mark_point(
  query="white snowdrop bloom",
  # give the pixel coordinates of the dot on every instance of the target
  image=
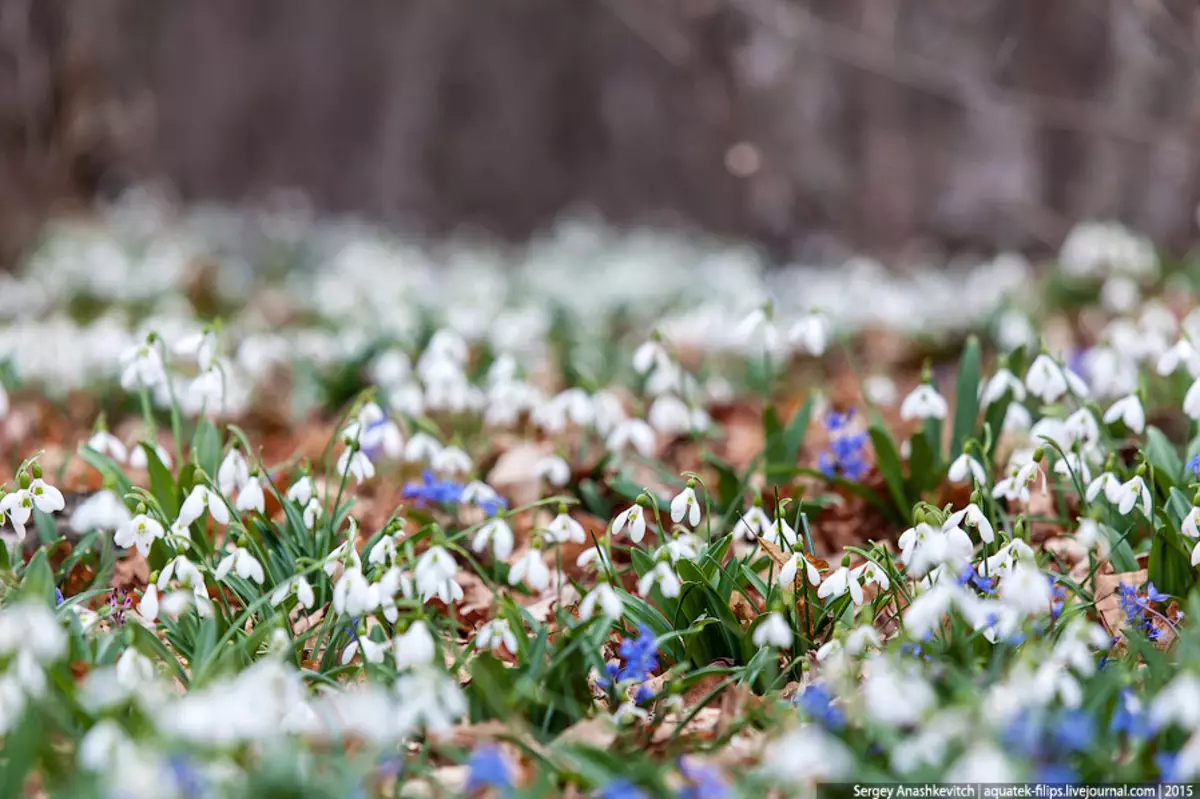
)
(390, 368)
(373, 651)
(251, 497)
(787, 572)
(46, 497)
(202, 499)
(563, 529)
(807, 755)
(1016, 418)
(664, 576)
(930, 547)
(12, 702)
(757, 332)
(1049, 429)
(923, 403)
(313, 511)
(106, 443)
(839, 582)
(140, 532)
(964, 469)
(181, 569)
(1109, 484)
(1073, 464)
(670, 415)
(609, 412)
(925, 613)
(103, 510)
(685, 505)
(1015, 486)
(632, 433)
(650, 354)
(355, 463)
(594, 557)
(982, 762)
(233, 473)
(30, 627)
(480, 493)
(810, 334)
(1120, 294)
(139, 460)
(434, 574)
(871, 573)
(1178, 703)
(496, 634)
(974, 517)
(1082, 427)
(142, 367)
(451, 460)
(496, 532)
(134, 669)
(206, 390)
(1045, 379)
(243, 562)
(300, 586)
(575, 406)
(999, 384)
(148, 605)
(531, 570)
(553, 469)
(352, 594)
(633, 517)
(1090, 536)
(781, 533)
(774, 631)
(684, 546)
(880, 390)
(611, 604)
(1133, 492)
(894, 696)
(423, 448)
(428, 699)
(1186, 766)
(1191, 524)
(1130, 411)
(408, 400)
(1026, 589)
(301, 491)
(200, 345)
(1183, 353)
(415, 647)
(753, 523)
(105, 747)
(1191, 401)
(1007, 558)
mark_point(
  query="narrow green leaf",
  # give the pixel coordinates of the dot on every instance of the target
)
(888, 461)
(1168, 468)
(966, 397)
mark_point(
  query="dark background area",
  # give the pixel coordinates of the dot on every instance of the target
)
(814, 127)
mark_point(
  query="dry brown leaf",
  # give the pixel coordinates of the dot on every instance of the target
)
(598, 731)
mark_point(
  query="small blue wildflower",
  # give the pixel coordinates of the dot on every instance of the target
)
(847, 451)
(703, 781)
(1167, 763)
(640, 654)
(488, 768)
(58, 596)
(1134, 607)
(643, 695)
(835, 421)
(914, 650)
(1024, 734)
(1130, 720)
(1057, 773)
(622, 789)
(188, 781)
(817, 702)
(1074, 730)
(1193, 465)
(434, 490)
(1153, 595)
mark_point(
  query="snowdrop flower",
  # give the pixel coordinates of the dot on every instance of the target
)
(1016, 485)
(787, 573)
(756, 332)
(1131, 493)
(685, 546)
(415, 647)
(1026, 589)
(139, 460)
(839, 582)
(1178, 703)
(870, 573)
(923, 403)
(531, 570)
(352, 594)
(925, 613)
(1016, 418)
(140, 532)
(434, 574)
(302, 588)
(1045, 379)
(670, 415)
(1073, 464)
(1130, 411)
(774, 631)
(422, 448)
(810, 334)
(1181, 353)
(201, 345)
(250, 496)
(685, 505)
(183, 570)
(650, 354)
(103, 510)
(301, 491)
(451, 460)
(313, 511)
(1109, 484)
(609, 600)
(807, 755)
(134, 669)
(233, 473)
(1007, 557)
(880, 390)
(142, 366)
(553, 469)
(148, 606)
(497, 532)
(564, 529)
(1191, 401)
(104, 747)
(892, 696)
(106, 443)
(207, 390)
(664, 576)
(1091, 536)
(373, 651)
(999, 384)
(634, 518)
(596, 556)
(924, 547)
(965, 468)
(430, 699)
(496, 634)
(243, 562)
(976, 518)
(780, 533)
(45, 497)
(753, 523)
(354, 462)
(631, 433)
(202, 498)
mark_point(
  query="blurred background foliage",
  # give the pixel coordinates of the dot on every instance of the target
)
(813, 127)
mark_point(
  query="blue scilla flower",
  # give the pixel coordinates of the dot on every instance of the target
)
(622, 789)
(817, 702)
(969, 576)
(847, 450)
(1057, 773)
(489, 768)
(644, 695)
(58, 596)
(640, 655)
(431, 489)
(1024, 734)
(1193, 465)
(1167, 763)
(1074, 730)
(1130, 719)
(187, 779)
(703, 781)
